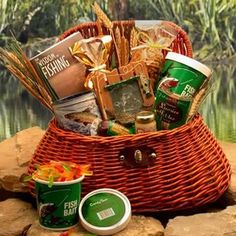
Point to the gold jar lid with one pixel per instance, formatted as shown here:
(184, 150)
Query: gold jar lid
(145, 116)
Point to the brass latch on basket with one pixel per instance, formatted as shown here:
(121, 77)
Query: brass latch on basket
(138, 157)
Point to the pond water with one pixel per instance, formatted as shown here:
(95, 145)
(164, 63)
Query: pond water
(19, 110)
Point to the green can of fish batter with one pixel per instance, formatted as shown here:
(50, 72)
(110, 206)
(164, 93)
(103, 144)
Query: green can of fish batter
(58, 204)
(187, 75)
(181, 78)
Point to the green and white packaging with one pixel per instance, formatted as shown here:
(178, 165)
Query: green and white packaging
(181, 79)
(105, 211)
(58, 205)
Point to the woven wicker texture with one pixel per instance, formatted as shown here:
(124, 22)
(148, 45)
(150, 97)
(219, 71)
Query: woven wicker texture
(190, 169)
(181, 44)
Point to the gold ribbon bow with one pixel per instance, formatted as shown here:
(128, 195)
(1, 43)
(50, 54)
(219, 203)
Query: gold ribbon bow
(94, 53)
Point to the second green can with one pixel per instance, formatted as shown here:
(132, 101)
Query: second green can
(181, 79)
(186, 74)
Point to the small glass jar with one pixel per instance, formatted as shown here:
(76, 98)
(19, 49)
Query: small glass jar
(145, 122)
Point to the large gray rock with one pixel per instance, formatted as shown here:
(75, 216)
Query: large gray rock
(15, 154)
(15, 215)
(209, 224)
(139, 225)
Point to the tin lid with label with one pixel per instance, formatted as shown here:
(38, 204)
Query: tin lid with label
(189, 62)
(105, 211)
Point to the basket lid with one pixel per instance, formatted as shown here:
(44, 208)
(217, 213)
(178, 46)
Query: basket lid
(105, 211)
(189, 62)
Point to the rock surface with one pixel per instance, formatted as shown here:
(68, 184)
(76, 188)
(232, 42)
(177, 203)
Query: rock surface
(230, 152)
(35, 229)
(15, 154)
(15, 215)
(139, 225)
(222, 223)
(145, 226)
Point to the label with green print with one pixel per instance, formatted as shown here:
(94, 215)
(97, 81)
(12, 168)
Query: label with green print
(58, 205)
(181, 79)
(171, 111)
(187, 80)
(103, 209)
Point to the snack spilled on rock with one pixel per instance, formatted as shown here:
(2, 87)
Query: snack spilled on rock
(100, 85)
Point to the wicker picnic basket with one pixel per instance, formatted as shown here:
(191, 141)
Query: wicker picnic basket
(158, 171)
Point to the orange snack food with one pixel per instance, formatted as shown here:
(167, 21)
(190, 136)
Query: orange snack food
(58, 171)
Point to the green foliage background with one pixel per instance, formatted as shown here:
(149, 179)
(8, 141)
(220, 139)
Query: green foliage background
(209, 23)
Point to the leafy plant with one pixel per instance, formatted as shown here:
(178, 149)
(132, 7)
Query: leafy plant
(209, 23)
(15, 60)
(218, 110)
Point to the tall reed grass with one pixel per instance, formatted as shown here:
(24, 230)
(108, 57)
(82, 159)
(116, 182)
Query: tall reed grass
(209, 23)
